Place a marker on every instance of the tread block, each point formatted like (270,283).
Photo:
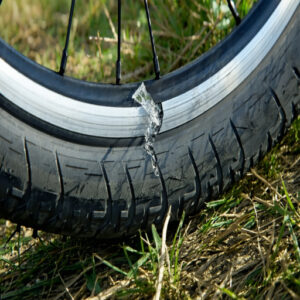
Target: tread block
(43,187)
(258,117)
(14,161)
(119,191)
(149,192)
(17,193)
(230,154)
(207,165)
(82,178)
(180,180)
(44,173)
(193,197)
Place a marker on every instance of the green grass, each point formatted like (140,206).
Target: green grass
(183,30)
(243,245)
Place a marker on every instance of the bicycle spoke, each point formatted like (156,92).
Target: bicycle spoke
(155,58)
(118,63)
(64,58)
(234,12)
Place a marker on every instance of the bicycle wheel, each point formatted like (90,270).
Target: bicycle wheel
(72,155)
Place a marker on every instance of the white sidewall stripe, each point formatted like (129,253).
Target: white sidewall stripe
(120,122)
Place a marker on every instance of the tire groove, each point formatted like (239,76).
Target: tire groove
(28,166)
(60,177)
(197,182)
(31,206)
(23,207)
(282,112)
(58,208)
(5,140)
(131,209)
(164,196)
(108,202)
(270,141)
(2,162)
(219,166)
(294,111)
(296,73)
(240,144)
(275,97)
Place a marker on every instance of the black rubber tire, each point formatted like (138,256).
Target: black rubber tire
(88,190)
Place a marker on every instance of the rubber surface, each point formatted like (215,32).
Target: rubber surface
(105,192)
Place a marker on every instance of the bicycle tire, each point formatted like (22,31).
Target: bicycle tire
(74,171)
